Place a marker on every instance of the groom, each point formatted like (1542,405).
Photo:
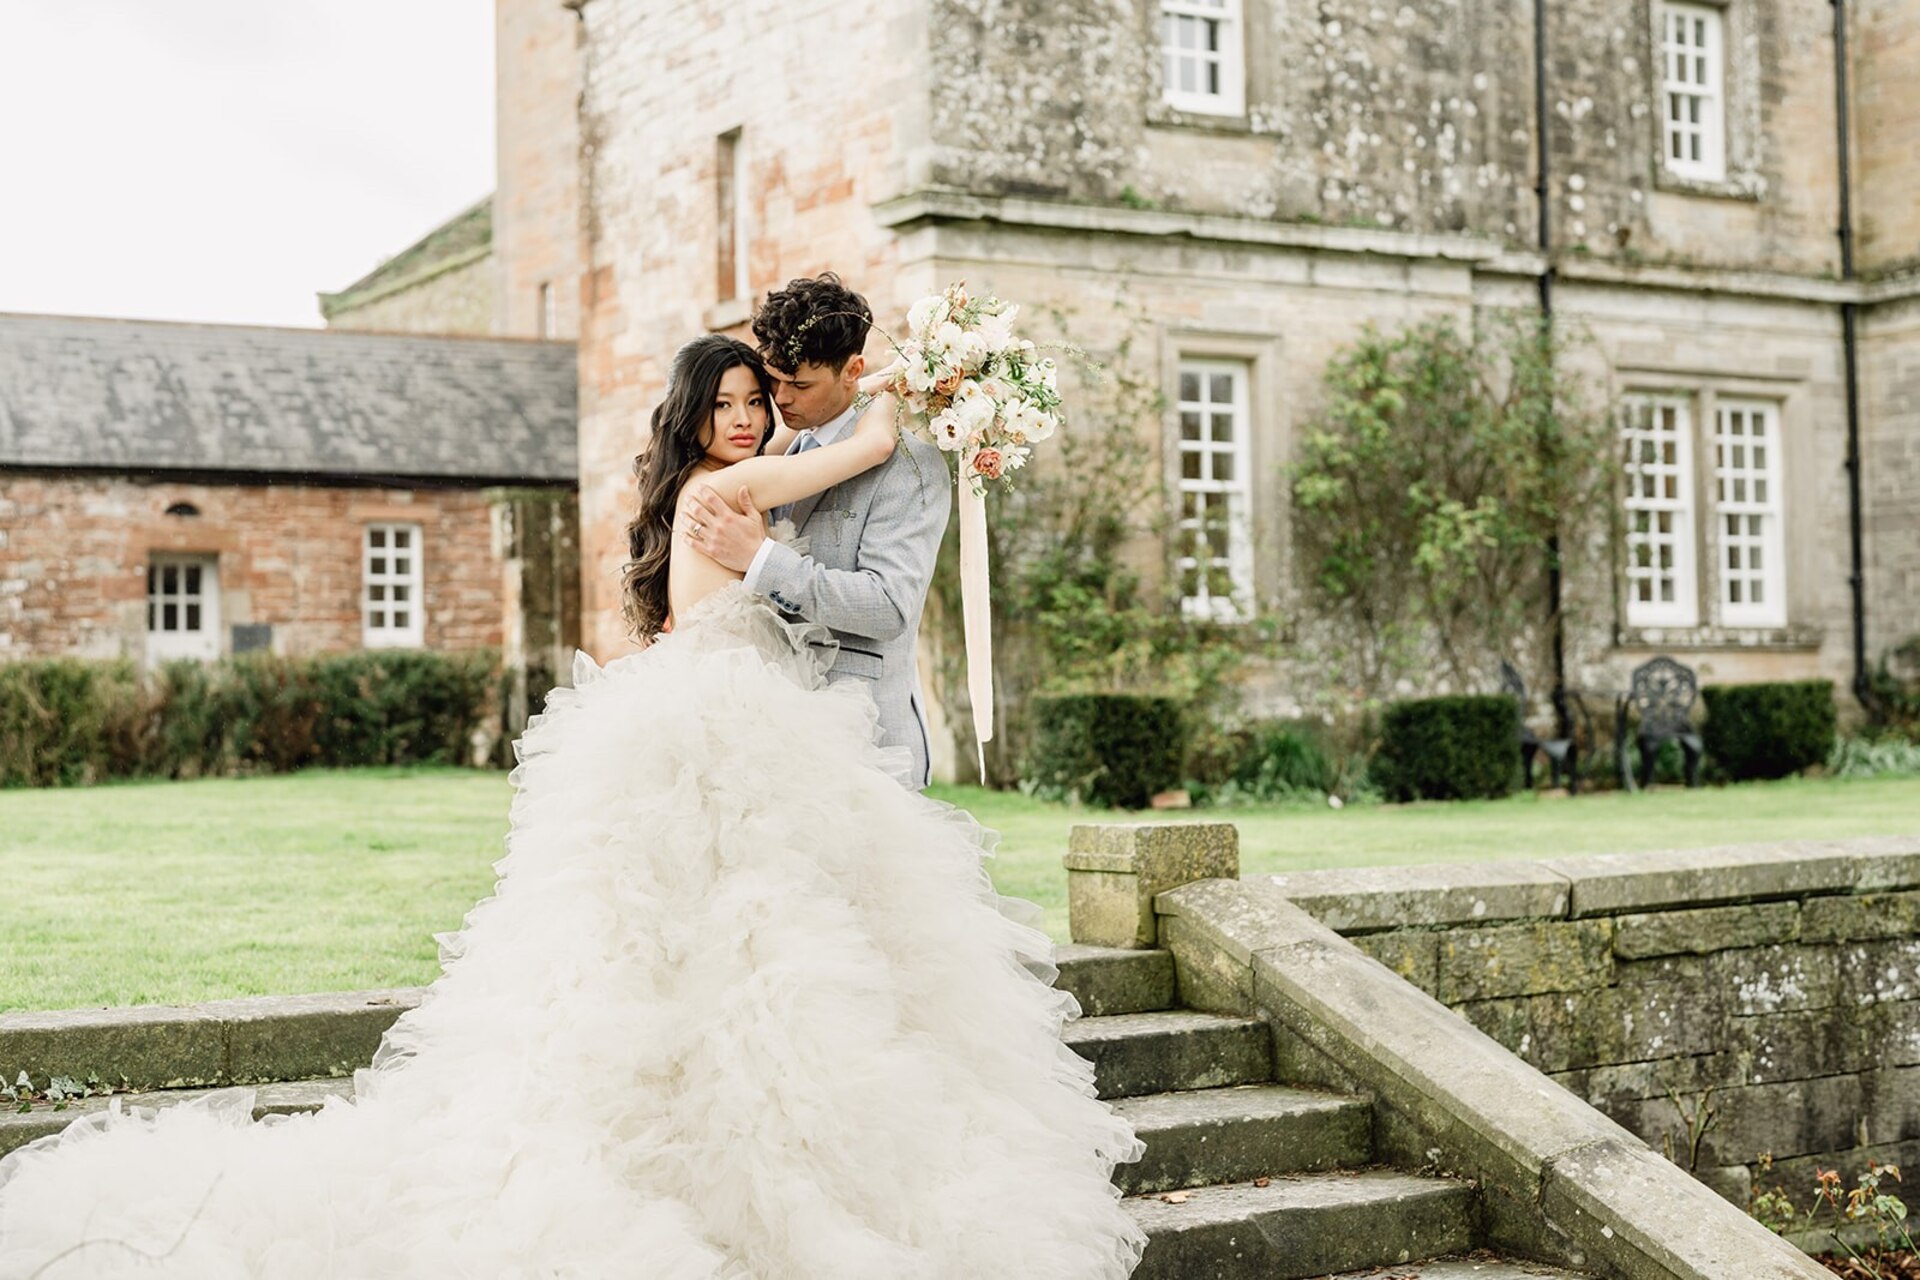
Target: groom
(872,540)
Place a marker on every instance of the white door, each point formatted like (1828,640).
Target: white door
(183,607)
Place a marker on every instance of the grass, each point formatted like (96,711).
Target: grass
(336,880)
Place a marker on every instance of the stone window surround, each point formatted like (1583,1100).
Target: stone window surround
(1740,118)
(1704,389)
(1268,442)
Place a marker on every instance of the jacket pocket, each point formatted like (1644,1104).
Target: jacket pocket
(859,662)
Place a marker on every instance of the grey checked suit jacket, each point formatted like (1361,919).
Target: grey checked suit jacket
(874,540)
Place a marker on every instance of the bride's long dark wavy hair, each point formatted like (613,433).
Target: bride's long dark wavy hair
(675,448)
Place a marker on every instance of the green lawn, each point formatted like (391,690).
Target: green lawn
(173,892)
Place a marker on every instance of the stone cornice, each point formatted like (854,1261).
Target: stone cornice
(1482,255)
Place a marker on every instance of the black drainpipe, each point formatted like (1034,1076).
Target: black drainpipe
(1849,320)
(1541,200)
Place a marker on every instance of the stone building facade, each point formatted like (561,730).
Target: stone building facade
(1260,180)
(196,490)
(442,283)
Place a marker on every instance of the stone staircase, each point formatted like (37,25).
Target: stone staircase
(1245,1176)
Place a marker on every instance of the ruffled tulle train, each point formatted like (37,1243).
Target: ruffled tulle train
(741,1006)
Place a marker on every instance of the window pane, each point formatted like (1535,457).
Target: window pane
(193,617)
(1222,388)
(170,617)
(399,593)
(1190,426)
(376,537)
(1223,427)
(403,566)
(1190,465)
(1189,386)
(379,565)
(170,580)
(379,620)
(377,591)
(193,579)
(402,537)
(153,579)
(400,619)
(149,615)
(1223,466)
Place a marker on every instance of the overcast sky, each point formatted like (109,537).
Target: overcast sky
(225,160)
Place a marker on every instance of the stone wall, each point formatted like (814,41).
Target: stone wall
(1885,35)
(829,100)
(1415,117)
(74,553)
(1890,453)
(1723,1004)
(456,299)
(536,206)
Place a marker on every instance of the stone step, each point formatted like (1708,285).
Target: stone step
(1242,1132)
(17,1129)
(1474,1267)
(1139,1053)
(1110,980)
(1294,1228)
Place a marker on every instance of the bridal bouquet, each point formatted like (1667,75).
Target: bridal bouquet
(983,393)
(987,397)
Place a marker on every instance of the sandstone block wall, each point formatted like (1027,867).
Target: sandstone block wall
(1724,1005)
(536,205)
(74,553)
(457,301)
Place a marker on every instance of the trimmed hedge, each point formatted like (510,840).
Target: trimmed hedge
(1769,730)
(65,721)
(1114,750)
(1458,748)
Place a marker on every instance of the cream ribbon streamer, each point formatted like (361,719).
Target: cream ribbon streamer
(976,608)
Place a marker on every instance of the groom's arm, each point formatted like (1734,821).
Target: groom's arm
(894,565)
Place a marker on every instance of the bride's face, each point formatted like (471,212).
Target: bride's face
(739,421)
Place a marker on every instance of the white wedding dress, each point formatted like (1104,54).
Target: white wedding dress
(741,1006)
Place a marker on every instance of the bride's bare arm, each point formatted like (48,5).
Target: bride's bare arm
(776,480)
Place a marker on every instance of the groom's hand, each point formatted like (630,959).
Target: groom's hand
(730,535)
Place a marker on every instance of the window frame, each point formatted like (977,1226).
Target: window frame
(1771,541)
(386,635)
(1231,56)
(1710,93)
(1684,609)
(201,643)
(1238,491)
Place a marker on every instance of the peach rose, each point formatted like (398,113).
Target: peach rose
(988,463)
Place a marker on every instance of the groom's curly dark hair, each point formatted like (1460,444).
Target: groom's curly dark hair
(812,321)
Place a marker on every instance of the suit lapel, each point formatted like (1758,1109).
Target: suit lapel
(804,508)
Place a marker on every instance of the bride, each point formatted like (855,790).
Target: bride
(741,1004)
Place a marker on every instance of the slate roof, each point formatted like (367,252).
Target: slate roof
(141,395)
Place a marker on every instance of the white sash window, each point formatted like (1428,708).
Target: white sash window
(1693,89)
(1656,432)
(183,607)
(1213,549)
(1746,467)
(391,577)
(1203,58)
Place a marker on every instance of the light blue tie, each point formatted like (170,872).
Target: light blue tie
(806,441)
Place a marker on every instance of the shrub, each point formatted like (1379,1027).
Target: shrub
(67,721)
(1874,757)
(1115,750)
(1283,761)
(1456,748)
(1769,730)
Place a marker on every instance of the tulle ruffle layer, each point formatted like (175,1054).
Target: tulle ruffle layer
(741,1006)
